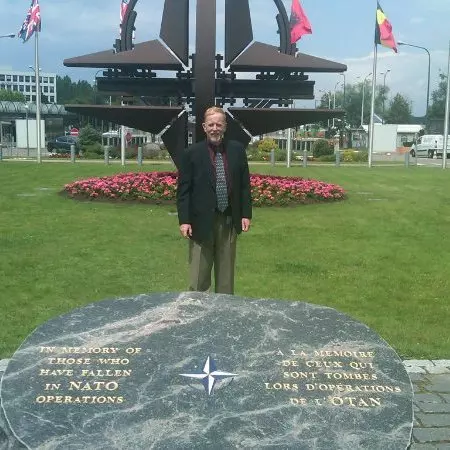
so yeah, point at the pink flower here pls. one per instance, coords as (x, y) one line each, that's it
(157, 186)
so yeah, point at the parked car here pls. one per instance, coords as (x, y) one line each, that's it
(62, 144)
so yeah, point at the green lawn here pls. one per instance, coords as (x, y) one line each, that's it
(381, 256)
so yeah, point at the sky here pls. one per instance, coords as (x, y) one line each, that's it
(343, 31)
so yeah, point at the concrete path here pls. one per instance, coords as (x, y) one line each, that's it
(431, 383)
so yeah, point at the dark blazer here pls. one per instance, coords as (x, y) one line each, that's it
(196, 194)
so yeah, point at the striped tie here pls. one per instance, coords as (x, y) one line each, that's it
(221, 184)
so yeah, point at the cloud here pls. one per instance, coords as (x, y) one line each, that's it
(76, 27)
(416, 20)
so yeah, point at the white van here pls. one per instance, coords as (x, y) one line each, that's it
(429, 145)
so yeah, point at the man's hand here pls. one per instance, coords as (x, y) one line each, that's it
(245, 224)
(186, 230)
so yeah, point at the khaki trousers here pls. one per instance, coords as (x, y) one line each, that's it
(220, 252)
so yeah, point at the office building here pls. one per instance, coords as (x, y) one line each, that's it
(25, 83)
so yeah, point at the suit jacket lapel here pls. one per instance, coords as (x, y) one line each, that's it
(207, 162)
(232, 163)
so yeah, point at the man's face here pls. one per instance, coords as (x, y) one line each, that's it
(214, 128)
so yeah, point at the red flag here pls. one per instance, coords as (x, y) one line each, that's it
(383, 31)
(299, 22)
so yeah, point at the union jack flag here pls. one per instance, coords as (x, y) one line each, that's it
(32, 21)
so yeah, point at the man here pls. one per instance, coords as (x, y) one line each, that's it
(214, 204)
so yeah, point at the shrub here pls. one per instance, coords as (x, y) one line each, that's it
(88, 137)
(321, 148)
(253, 153)
(327, 158)
(361, 156)
(155, 151)
(266, 145)
(149, 151)
(95, 149)
(347, 156)
(280, 154)
(90, 155)
(116, 152)
(355, 156)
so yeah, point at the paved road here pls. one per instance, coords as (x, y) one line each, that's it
(21, 154)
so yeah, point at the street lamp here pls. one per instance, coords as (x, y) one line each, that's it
(328, 94)
(334, 97)
(384, 90)
(362, 103)
(11, 35)
(429, 71)
(343, 101)
(37, 69)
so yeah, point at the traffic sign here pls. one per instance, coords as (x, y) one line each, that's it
(74, 132)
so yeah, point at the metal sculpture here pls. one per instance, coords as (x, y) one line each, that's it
(206, 78)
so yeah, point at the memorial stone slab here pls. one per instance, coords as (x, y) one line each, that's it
(7, 440)
(206, 371)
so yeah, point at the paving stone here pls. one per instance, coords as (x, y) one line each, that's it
(428, 398)
(432, 407)
(441, 362)
(433, 420)
(416, 362)
(415, 369)
(431, 434)
(440, 383)
(438, 370)
(416, 377)
(430, 447)
(416, 366)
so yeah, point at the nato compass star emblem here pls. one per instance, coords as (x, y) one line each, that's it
(210, 375)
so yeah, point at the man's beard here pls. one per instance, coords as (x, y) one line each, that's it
(216, 139)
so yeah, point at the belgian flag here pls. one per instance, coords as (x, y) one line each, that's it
(383, 30)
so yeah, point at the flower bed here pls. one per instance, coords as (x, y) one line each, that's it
(161, 187)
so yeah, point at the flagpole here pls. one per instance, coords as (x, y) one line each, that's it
(447, 113)
(38, 96)
(372, 105)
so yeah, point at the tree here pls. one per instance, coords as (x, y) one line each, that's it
(353, 101)
(80, 92)
(399, 110)
(88, 135)
(89, 140)
(11, 96)
(437, 107)
(267, 144)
